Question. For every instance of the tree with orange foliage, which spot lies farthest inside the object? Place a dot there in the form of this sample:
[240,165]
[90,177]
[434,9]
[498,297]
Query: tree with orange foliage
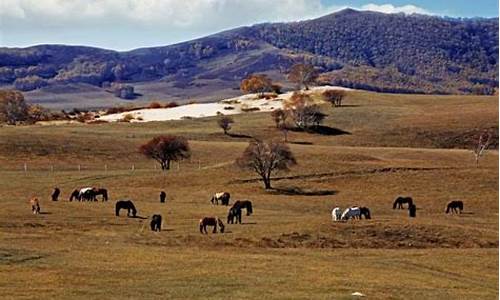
[256,84]
[165,149]
[13,108]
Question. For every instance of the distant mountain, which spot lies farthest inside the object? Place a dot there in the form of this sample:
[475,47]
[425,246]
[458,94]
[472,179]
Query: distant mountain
[365,50]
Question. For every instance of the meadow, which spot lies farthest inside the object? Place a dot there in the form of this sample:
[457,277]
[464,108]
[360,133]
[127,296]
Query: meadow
[375,148]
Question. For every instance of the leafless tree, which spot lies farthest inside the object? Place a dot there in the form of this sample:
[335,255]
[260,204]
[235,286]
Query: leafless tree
[482,144]
[266,158]
[303,75]
[165,149]
[335,97]
[303,112]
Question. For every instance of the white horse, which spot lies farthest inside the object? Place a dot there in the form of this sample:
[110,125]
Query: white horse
[336,214]
[351,213]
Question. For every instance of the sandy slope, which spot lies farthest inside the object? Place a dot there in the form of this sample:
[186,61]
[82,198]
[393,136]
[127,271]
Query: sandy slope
[230,106]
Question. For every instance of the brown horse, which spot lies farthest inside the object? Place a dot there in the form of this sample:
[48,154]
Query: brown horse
[452,206]
[99,191]
[211,221]
[35,205]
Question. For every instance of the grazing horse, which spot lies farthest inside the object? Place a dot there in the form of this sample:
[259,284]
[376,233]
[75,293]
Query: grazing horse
[398,203]
[163,196]
[364,211]
[336,214]
[35,205]
[125,204]
[75,195]
[454,205]
[223,197]
[351,213]
[87,195]
[156,223]
[55,194]
[234,213]
[244,204]
[100,191]
[211,221]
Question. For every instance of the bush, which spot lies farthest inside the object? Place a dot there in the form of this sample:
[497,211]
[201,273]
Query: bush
[171,105]
[154,105]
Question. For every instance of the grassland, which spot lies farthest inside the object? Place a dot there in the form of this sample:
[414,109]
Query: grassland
[289,249]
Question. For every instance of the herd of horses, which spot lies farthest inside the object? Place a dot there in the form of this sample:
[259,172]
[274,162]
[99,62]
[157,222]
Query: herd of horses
[234,215]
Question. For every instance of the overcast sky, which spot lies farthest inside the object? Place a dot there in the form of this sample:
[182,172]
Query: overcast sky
[129,24]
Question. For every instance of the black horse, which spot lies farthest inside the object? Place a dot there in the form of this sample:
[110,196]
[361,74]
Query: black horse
[75,195]
[454,205]
[125,204]
[156,223]
[234,214]
[398,203]
[163,197]
[100,191]
[211,221]
[244,204]
[55,194]
[364,211]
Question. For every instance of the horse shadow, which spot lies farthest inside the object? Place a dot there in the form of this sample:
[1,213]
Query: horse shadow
[301,143]
[248,223]
[296,191]
[240,136]
[139,217]
[45,213]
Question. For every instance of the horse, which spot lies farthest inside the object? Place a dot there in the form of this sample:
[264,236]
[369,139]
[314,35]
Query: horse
[75,195]
[244,204]
[453,205]
[234,213]
[223,197]
[55,194]
[402,200]
[35,205]
[100,191]
[364,211]
[87,195]
[211,221]
[156,223]
[351,213]
[336,214]
[412,210]
[125,204]
[163,197]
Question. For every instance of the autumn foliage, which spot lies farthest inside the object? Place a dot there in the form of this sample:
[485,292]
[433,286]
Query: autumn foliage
[165,149]
[256,84]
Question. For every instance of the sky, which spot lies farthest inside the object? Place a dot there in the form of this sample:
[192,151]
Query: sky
[129,24]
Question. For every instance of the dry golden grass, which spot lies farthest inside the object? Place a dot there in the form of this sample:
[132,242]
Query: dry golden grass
[289,249]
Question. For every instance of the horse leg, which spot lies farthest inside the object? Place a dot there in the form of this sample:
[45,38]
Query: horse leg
[215,229]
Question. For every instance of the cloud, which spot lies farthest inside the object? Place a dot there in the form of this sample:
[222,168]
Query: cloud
[391,9]
[126,24]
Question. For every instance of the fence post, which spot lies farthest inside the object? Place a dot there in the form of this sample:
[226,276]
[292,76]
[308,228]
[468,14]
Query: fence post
[79,168]
[105,168]
[25,168]
[199,164]
[133,167]
[178,166]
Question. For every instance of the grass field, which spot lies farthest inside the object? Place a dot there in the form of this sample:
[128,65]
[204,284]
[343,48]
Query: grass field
[289,249]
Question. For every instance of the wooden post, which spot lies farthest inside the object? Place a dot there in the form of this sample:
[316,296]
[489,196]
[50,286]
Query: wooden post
[199,164]
[79,168]
[105,168]
[178,166]
[25,167]
[133,167]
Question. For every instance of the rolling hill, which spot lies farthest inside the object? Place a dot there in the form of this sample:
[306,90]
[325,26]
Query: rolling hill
[356,49]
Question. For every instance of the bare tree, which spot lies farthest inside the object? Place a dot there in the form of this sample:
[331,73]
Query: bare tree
[279,117]
[335,97]
[303,75]
[225,122]
[482,145]
[266,159]
[165,149]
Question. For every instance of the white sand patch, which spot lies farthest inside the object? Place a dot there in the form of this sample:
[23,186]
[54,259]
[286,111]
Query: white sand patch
[232,106]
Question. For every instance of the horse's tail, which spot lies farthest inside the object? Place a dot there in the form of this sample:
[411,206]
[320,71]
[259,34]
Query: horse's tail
[249,208]
[201,225]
